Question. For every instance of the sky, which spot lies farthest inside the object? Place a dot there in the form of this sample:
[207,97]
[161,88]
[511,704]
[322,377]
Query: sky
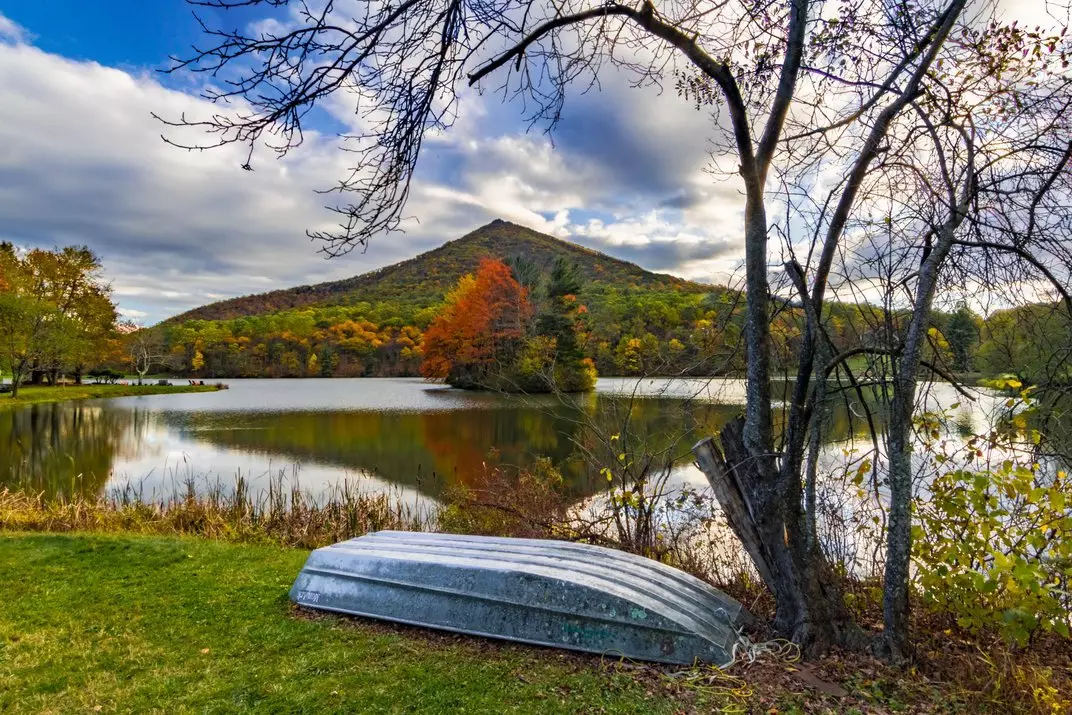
[82,162]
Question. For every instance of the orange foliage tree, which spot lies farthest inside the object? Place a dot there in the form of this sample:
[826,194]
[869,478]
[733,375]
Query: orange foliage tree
[479,329]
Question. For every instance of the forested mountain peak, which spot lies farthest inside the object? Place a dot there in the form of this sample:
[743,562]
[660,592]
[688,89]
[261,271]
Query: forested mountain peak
[427,277]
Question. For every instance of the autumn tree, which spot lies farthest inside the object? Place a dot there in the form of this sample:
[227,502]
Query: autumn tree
[480,329]
[561,321]
[895,146]
[56,312]
[24,322]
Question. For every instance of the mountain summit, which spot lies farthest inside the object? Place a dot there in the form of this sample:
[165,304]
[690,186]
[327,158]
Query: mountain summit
[428,276]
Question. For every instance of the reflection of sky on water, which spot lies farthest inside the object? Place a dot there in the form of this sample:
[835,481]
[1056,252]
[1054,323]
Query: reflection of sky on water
[845,522]
[405,436]
[170,461]
[328,395]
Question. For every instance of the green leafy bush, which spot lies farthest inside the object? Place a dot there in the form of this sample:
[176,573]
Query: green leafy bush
[993,546]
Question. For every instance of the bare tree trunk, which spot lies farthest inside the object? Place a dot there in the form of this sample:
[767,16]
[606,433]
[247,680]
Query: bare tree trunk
[18,374]
[810,607]
[762,501]
[899,528]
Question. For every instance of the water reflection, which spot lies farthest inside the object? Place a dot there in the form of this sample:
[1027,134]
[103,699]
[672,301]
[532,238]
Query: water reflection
[62,449]
[409,435]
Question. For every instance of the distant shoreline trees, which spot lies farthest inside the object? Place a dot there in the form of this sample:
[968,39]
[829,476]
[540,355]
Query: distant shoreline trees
[627,332]
[56,314]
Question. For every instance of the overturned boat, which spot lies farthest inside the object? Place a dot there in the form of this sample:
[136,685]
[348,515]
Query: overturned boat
[549,593]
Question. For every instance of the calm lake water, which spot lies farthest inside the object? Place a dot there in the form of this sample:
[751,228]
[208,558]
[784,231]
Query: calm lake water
[400,434]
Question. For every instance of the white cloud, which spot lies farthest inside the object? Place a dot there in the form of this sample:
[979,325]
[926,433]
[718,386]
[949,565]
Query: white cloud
[11,31]
[1046,13]
[81,161]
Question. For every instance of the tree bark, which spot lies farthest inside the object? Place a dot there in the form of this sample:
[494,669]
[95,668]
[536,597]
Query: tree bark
[899,529]
[810,608]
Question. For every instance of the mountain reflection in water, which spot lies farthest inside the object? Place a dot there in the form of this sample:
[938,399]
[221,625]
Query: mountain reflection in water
[404,434]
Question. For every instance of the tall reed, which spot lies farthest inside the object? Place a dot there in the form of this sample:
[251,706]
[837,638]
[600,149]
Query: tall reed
[278,514]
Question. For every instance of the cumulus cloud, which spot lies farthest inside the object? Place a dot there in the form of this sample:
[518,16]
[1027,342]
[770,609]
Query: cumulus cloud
[81,161]
[11,31]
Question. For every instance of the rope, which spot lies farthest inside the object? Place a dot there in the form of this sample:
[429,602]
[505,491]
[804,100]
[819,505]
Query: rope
[715,681]
[745,651]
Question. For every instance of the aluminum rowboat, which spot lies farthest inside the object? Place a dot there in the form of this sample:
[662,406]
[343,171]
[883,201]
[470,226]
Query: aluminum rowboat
[549,593]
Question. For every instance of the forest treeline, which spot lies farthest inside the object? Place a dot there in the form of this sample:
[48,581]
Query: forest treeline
[626,332]
[57,318]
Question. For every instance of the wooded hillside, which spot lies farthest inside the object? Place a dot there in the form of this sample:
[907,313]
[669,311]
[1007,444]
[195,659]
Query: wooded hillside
[638,322]
[426,278]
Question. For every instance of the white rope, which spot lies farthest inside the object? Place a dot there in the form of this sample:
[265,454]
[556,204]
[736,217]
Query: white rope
[745,651]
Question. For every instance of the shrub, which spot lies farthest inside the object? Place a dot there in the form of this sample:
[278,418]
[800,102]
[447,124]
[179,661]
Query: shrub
[993,544]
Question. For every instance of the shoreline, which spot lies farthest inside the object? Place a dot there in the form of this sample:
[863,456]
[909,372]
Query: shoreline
[38,394]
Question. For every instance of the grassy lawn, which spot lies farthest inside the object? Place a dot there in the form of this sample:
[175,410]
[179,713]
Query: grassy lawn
[104,623]
[30,395]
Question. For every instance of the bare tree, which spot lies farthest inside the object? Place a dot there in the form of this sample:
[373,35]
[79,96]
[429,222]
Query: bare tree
[145,350]
[858,104]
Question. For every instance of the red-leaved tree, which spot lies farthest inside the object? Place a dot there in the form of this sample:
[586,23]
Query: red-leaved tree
[480,327]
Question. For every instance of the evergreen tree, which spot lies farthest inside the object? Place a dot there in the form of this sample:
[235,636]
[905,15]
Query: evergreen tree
[962,333]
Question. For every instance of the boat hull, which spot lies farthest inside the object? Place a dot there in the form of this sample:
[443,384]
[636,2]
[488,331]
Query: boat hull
[543,592]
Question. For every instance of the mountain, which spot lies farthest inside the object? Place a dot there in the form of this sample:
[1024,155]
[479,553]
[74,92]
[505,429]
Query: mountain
[426,278]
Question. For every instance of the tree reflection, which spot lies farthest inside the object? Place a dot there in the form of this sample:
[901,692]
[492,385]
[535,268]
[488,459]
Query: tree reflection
[59,449]
[72,449]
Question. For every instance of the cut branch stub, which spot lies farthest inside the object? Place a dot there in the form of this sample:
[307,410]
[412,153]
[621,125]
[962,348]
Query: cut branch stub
[810,608]
[734,502]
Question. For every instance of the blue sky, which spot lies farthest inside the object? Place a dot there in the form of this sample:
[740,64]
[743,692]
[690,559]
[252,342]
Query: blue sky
[81,161]
[175,230]
[119,33]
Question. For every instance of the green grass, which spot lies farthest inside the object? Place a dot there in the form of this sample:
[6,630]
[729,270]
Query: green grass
[112,623]
[30,395]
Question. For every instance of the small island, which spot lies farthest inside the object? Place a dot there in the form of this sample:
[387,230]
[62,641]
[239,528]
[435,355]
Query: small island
[512,329]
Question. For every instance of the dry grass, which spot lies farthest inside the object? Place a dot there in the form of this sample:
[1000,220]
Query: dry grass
[287,517]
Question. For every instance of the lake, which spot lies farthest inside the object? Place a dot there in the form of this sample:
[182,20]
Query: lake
[404,435]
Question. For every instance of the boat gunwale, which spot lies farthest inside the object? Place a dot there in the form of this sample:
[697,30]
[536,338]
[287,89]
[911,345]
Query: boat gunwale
[495,636]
